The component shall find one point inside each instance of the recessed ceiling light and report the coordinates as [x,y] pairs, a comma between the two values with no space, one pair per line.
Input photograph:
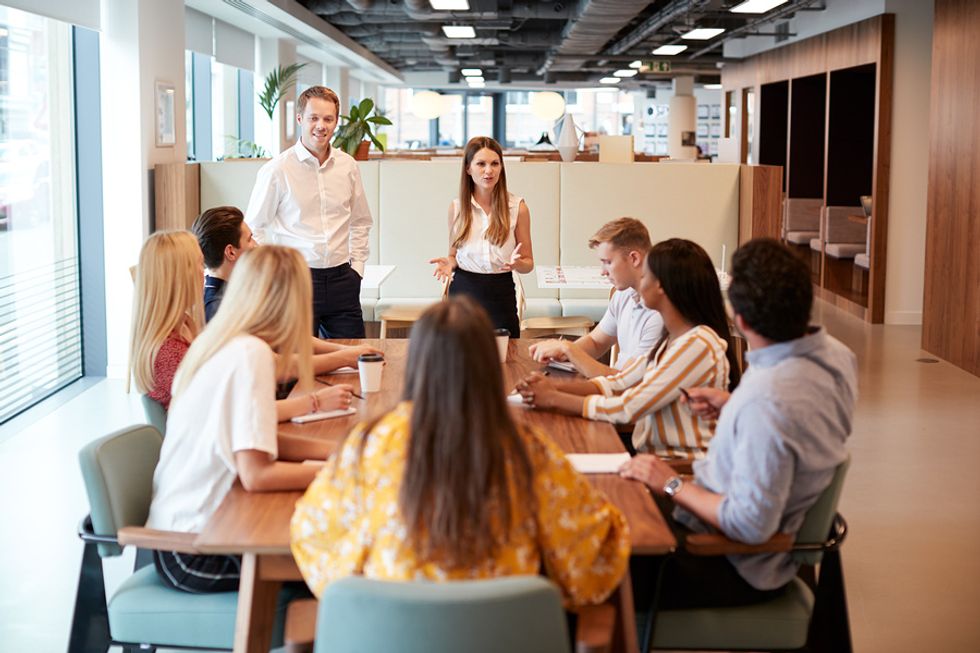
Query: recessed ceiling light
[472,72]
[479,84]
[713,87]
[756,6]
[626,72]
[670,49]
[699,34]
[459,31]
[610,80]
[636,64]
[475,80]
[455,5]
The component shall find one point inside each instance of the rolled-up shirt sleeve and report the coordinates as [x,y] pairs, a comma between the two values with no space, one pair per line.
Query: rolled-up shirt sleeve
[360,224]
[763,467]
[263,204]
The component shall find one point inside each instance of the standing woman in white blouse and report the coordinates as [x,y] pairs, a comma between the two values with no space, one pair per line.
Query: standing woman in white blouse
[489,236]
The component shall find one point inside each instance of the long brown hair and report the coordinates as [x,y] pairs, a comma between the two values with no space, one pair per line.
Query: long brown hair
[465,456]
[499,228]
[689,280]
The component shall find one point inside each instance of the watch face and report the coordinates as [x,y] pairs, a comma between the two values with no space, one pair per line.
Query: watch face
[673,486]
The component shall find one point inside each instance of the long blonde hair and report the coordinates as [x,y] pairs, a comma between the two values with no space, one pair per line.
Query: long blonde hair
[499,229]
[270,297]
[169,299]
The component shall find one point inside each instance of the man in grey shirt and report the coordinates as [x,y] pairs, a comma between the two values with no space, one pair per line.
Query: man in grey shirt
[779,437]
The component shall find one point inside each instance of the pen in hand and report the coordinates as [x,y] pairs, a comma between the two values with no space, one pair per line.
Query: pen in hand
[319,380]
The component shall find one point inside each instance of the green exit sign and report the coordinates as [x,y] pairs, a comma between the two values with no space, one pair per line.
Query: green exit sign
[658,66]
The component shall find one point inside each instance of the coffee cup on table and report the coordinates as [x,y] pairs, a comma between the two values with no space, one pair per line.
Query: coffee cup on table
[503,338]
[369,367]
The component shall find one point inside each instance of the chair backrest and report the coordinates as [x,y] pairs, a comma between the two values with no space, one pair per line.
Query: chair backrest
[118,474]
[820,516]
[156,414]
[517,614]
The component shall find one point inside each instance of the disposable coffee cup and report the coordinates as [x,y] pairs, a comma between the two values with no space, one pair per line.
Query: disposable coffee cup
[503,338]
[369,367]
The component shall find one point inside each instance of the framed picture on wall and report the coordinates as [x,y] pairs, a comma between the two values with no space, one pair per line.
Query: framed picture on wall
[716,112]
[702,130]
[702,112]
[165,104]
[715,130]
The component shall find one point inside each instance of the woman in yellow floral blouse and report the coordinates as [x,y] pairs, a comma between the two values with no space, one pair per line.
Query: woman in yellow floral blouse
[446,486]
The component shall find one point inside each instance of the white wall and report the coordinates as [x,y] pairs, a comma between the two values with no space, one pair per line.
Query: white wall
[142,42]
[908,183]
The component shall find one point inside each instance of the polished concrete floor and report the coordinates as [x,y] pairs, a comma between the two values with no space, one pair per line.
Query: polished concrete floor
[912,499]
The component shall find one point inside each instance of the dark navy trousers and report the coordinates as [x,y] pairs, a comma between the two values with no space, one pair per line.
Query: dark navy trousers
[337,302]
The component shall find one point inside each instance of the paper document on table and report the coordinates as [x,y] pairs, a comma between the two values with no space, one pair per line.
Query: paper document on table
[326,414]
[516,398]
[571,276]
[597,463]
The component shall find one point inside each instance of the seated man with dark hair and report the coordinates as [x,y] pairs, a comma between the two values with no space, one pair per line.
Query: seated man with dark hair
[779,439]
[224,238]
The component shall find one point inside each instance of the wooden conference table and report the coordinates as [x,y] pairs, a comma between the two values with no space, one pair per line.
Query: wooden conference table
[256,525]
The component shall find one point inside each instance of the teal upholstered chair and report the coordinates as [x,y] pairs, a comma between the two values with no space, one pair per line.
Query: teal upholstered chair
[118,473]
[156,414]
[808,613]
[518,614]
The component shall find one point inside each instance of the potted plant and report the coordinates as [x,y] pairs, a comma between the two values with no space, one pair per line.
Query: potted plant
[352,135]
[276,84]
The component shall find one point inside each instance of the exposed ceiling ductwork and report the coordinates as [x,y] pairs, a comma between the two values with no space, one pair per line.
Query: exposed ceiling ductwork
[550,40]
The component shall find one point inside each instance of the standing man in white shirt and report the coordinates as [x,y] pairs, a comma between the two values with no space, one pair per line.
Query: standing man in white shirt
[311,198]
[622,246]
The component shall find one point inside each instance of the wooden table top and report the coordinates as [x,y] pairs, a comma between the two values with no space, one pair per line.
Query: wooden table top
[259,522]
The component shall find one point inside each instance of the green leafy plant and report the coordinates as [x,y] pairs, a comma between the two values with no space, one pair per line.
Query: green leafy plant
[245,149]
[357,127]
[276,84]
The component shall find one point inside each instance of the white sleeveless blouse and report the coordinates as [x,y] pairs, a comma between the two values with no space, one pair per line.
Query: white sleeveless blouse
[477,254]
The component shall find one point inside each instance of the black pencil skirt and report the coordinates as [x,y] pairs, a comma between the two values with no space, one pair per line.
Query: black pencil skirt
[494,292]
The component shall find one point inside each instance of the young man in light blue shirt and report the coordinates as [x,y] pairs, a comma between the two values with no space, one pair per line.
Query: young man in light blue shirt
[779,438]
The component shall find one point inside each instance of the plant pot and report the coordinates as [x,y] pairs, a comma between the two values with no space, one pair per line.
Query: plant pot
[361,154]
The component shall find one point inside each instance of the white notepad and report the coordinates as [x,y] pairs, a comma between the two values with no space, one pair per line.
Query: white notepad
[597,463]
[516,398]
[326,414]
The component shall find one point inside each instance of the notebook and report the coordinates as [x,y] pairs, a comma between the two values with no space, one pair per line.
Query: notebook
[564,366]
[597,463]
[325,414]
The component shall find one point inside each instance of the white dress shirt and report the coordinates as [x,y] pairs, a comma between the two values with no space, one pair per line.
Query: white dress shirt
[477,254]
[320,210]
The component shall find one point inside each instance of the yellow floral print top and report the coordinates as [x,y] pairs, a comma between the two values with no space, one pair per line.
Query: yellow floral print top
[348,522]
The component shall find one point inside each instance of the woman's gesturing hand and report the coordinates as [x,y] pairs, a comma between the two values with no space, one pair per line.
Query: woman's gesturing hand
[444,267]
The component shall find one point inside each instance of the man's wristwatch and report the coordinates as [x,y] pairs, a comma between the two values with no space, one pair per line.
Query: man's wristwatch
[673,486]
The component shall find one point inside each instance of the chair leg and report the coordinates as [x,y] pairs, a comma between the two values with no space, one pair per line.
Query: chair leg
[90,621]
[829,627]
[144,557]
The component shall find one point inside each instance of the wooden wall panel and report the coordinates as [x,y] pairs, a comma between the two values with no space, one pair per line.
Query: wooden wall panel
[177,195]
[760,202]
[951,306]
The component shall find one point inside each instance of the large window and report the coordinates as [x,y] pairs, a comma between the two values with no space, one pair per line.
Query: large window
[40,319]
[219,108]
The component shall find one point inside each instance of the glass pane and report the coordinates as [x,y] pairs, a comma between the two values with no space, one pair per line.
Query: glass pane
[40,318]
[524,129]
[408,131]
[189,99]
[479,115]
[224,110]
[451,123]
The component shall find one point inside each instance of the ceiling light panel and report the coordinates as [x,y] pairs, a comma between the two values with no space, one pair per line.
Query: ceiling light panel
[626,72]
[472,72]
[455,5]
[610,80]
[700,34]
[636,64]
[459,31]
[670,50]
[756,6]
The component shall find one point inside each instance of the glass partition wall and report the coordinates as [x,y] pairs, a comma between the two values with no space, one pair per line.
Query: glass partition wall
[40,318]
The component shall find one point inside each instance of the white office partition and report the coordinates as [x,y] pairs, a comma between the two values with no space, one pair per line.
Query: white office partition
[697,202]
[537,183]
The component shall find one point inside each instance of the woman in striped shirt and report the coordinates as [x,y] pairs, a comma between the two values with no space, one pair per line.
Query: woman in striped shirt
[680,282]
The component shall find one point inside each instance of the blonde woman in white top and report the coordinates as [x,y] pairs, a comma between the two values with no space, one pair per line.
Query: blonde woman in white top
[489,236]
[223,422]
[680,282]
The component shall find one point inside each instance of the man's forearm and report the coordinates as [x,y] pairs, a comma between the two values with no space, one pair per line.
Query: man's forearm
[701,502]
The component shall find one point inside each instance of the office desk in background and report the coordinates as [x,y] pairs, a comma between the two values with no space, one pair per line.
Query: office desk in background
[256,525]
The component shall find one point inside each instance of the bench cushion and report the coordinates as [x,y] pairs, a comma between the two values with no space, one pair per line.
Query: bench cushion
[844,250]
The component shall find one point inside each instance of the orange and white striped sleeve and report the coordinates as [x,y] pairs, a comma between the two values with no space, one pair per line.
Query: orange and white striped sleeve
[689,363]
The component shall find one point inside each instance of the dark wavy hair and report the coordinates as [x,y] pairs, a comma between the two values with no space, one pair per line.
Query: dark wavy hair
[689,279]
[771,290]
[465,454]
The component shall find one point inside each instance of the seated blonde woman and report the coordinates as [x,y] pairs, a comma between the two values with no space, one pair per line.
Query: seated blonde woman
[446,486]
[679,281]
[168,311]
[222,424]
